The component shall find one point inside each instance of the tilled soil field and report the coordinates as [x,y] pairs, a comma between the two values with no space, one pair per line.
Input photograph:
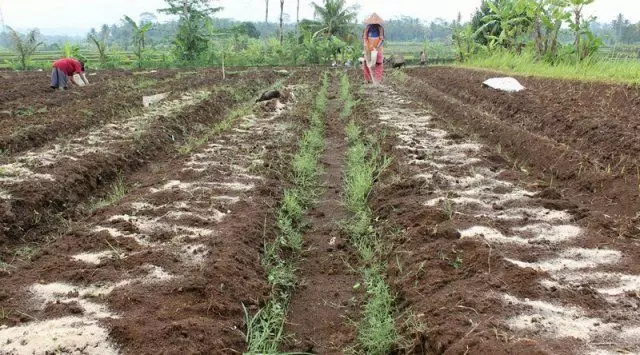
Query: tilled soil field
[47,183]
[174,244]
[32,114]
[505,223]
[506,246]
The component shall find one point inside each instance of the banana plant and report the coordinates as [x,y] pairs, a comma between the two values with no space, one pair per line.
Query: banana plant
[463,37]
[577,25]
[512,16]
[99,39]
[549,16]
[139,34]
[24,45]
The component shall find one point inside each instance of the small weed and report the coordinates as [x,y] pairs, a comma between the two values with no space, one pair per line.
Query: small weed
[117,252]
[265,330]
[87,113]
[398,264]
[26,253]
[118,191]
[4,266]
[448,207]
[345,94]
[282,276]
[398,75]
[140,126]
[25,111]
[144,83]
[289,235]
[420,271]
[291,207]
[353,132]
[277,85]
[457,262]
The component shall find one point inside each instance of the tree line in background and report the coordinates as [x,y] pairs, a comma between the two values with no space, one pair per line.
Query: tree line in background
[552,29]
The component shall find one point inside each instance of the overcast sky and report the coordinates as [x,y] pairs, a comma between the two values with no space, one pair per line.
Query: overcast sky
[51,14]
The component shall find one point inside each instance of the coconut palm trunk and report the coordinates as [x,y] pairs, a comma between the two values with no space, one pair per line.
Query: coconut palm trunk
[266,11]
[281,13]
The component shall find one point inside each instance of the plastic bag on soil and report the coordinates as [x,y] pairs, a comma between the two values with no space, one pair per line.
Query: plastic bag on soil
[504,84]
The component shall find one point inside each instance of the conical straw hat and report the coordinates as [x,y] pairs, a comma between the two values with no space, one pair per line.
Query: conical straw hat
[374,19]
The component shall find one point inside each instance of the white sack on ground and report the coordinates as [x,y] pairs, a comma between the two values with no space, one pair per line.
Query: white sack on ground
[153,99]
[77,79]
[504,84]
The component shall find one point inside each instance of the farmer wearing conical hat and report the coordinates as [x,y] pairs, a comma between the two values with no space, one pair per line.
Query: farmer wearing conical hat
[373,39]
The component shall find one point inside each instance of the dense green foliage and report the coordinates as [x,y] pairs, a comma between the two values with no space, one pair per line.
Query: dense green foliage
[555,31]
[194,27]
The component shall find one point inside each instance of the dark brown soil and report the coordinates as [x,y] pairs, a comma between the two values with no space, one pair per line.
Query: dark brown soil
[539,138]
[583,133]
[572,145]
[32,114]
[35,202]
[200,310]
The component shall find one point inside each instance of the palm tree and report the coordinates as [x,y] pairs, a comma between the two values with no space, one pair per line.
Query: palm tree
[298,13]
[335,18]
[281,13]
[25,46]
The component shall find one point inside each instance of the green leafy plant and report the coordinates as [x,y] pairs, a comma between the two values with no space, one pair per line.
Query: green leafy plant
[99,39]
[139,38]
[194,27]
[69,50]
[24,45]
[457,262]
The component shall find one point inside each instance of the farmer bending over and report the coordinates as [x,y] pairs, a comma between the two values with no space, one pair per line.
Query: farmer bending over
[63,71]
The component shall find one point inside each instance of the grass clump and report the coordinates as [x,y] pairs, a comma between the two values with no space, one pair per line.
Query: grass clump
[590,69]
[116,193]
[377,332]
[265,329]
[347,98]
